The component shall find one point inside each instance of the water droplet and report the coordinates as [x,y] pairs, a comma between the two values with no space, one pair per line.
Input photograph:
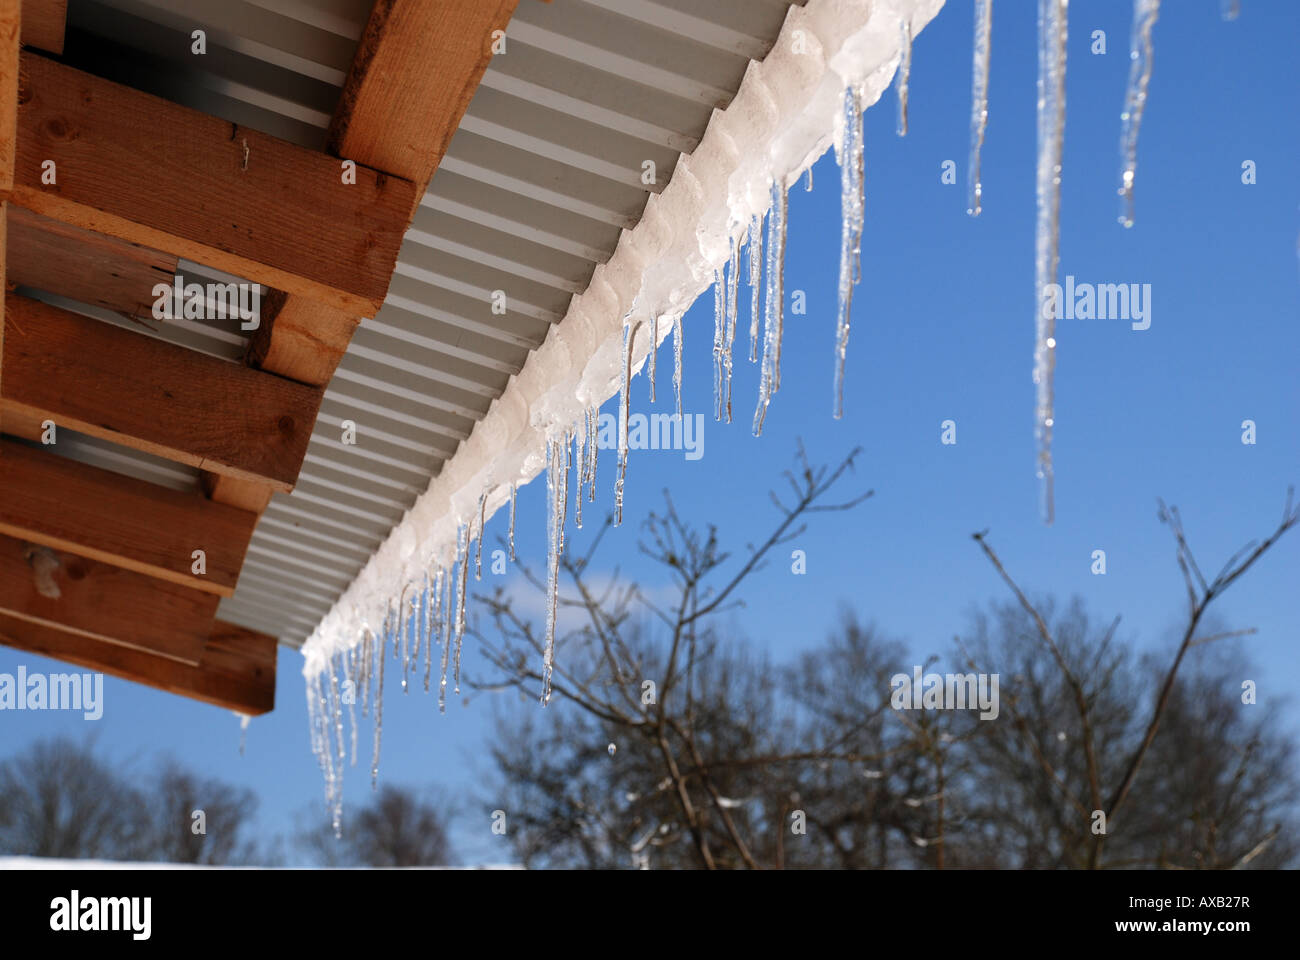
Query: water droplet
[612,749]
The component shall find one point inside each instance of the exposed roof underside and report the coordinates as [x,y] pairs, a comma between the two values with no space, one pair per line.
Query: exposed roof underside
[537,184]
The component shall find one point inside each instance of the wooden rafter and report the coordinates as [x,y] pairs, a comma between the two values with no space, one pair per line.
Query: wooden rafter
[103,602]
[218,194]
[44,24]
[236,671]
[81,265]
[154,396]
[60,503]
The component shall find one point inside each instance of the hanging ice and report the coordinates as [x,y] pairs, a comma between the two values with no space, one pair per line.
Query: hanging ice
[654,350]
[677,362]
[755,276]
[447,615]
[729,335]
[1135,100]
[462,551]
[1052,31]
[904,72]
[593,429]
[808,181]
[851,204]
[580,468]
[478,548]
[979,102]
[243,731]
[379,712]
[512,522]
[554,457]
[625,373]
[719,337]
[773,306]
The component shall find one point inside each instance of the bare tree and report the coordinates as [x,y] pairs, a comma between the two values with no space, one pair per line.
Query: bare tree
[395,829]
[1113,755]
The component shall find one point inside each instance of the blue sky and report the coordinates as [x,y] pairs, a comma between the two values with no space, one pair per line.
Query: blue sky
[943,329]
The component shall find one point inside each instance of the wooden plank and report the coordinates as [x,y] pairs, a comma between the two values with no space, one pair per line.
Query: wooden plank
[151,172]
[10,27]
[74,507]
[84,266]
[44,23]
[416,68]
[244,494]
[301,340]
[104,602]
[237,671]
[150,395]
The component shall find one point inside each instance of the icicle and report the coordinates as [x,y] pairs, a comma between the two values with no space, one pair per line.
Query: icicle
[677,362]
[564,485]
[904,73]
[243,731]
[1052,30]
[478,549]
[350,678]
[580,468]
[852,204]
[403,617]
[733,288]
[654,351]
[979,102]
[512,522]
[433,627]
[462,552]
[629,337]
[379,712]
[336,708]
[773,307]
[593,427]
[755,276]
[807,181]
[553,459]
[1135,100]
[367,670]
[446,639]
[420,612]
[719,336]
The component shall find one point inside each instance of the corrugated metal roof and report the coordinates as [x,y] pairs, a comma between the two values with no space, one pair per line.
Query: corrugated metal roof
[536,186]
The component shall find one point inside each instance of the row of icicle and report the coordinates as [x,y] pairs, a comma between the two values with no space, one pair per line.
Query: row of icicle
[434,612]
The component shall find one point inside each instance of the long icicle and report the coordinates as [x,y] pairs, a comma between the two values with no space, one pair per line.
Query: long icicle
[654,351]
[629,338]
[379,711]
[774,267]
[677,362]
[719,337]
[447,616]
[979,103]
[554,457]
[1052,31]
[851,203]
[478,548]
[755,278]
[1145,13]
[462,581]
[904,72]
[593,427]
[512,522]
[564,484]
[733,289]
[580,468]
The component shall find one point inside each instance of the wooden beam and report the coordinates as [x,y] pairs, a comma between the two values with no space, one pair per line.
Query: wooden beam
[80,265]
[244,494]
[301,340]
[95,513]
[210,191]
[150,395]
[44,24]
[416,69]
[237,670]
[104,602]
